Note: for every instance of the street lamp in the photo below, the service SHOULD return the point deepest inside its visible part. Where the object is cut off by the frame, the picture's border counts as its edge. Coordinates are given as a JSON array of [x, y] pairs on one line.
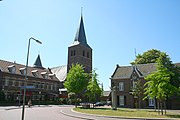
[[25, 82], [39, 97]]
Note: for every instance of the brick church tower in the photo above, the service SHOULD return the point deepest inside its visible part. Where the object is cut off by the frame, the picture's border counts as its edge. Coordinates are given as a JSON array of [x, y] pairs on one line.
[[79, 51]]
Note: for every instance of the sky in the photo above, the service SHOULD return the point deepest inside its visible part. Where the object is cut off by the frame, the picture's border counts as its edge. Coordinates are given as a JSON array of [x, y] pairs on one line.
[[115, 29]]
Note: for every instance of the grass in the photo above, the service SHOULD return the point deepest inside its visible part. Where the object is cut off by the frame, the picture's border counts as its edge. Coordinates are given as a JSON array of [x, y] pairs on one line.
[[125, 112]]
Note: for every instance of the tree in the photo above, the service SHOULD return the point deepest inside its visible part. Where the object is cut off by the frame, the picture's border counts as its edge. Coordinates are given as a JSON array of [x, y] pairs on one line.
[[93, 89], [77, 80], [136, 91], [158, 84], [150, 56]]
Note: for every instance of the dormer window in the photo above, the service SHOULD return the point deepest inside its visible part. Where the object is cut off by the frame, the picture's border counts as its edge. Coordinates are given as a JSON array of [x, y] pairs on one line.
[[44, 74], [12, 69], [51, 76], [23, 70], [35, 73]]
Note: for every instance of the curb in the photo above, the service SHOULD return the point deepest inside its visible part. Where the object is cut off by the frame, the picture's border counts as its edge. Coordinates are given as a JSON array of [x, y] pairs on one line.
[[75, 116], [122, 117]]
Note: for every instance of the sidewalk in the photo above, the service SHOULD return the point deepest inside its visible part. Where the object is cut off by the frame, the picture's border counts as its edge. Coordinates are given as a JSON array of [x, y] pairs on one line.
[[19, 107]]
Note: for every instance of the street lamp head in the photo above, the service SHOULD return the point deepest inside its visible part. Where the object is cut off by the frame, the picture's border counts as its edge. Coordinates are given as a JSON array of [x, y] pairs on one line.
[[36, 40]]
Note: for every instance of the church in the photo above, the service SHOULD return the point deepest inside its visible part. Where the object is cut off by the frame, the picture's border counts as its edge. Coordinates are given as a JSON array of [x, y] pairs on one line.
[[44, 83], [78, 52]]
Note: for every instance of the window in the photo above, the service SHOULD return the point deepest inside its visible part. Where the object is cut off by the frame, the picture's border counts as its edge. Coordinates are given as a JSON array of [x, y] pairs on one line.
[[12, 69], [39, 85], [35, 73], [6, 82], [134, 84], [71, 53], [87, 54], [121, 100], [121, 86], [83, 53], [23, 71], [35, 85], [13, 83], [51, 87], [151, 102], [44, 74], [51, 76], [10, 83], [43, 85], [19, 85], [74, 52]]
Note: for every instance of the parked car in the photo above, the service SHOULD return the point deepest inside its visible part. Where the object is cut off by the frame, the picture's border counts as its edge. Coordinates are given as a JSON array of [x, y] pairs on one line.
[[99, 104], [108, 103]]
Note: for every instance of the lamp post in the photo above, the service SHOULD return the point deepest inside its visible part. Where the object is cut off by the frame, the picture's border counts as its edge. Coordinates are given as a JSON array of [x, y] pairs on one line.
[[39, 97], [25, 81]]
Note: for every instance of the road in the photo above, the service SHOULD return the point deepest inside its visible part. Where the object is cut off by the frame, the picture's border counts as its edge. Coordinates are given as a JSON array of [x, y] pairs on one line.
[[46, 113], [35, 113], [53, 112]]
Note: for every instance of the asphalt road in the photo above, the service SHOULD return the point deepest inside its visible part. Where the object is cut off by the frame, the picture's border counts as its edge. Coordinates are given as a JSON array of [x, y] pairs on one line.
[[54, 112], [35, 113], [46, 113]]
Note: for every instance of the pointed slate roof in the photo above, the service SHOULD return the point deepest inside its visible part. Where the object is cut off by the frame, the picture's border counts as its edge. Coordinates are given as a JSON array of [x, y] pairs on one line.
[[38, 63], [80, 37]]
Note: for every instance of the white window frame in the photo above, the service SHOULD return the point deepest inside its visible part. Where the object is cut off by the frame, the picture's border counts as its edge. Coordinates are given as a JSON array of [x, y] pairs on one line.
[[121, 86]]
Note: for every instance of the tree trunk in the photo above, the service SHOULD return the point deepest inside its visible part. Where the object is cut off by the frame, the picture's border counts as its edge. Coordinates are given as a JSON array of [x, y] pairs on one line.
[[155, 104], [165, 107], [76, 102], [139, 102], [158, 106], [161, 104]]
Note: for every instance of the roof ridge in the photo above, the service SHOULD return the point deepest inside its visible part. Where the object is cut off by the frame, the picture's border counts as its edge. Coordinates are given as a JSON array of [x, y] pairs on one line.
[[58, 66], [12, 62]]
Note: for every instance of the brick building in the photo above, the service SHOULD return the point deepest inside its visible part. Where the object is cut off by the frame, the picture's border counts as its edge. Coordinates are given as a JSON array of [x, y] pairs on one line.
[[41, 83], [125, 79]]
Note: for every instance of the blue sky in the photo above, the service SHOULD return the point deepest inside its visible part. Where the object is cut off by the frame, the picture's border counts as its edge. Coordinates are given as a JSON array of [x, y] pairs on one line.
[[114, 28]]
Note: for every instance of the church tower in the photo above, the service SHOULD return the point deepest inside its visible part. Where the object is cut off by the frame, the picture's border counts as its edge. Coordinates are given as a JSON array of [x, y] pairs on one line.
[[79, 51]]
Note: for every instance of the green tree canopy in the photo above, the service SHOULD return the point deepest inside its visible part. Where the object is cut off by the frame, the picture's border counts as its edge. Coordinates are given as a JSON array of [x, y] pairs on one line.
[[159, 84], [77, 80], [150, 56], [93, 89]]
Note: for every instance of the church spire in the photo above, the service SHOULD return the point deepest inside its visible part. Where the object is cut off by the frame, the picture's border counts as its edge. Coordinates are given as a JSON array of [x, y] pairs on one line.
[[38, 63], [80, 37]]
